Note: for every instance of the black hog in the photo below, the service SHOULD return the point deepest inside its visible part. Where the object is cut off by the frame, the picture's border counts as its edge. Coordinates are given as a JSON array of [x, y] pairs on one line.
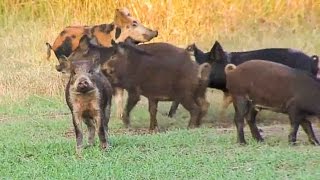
[[218, 58], [160, 72], [88, 95], [259, 84]]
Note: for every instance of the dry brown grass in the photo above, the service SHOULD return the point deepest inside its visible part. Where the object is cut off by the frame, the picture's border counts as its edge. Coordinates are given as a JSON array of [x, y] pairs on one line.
[[25, 25]]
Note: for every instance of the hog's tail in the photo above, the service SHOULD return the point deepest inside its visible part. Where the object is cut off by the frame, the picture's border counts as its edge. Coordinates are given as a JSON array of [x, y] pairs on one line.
[[49, 47], [204, 71], [315, 57], [203, 75], [229, 68]]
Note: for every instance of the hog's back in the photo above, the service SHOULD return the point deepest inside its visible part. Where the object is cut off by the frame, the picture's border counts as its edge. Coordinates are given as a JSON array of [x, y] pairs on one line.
[[265, 83], [168, 70]]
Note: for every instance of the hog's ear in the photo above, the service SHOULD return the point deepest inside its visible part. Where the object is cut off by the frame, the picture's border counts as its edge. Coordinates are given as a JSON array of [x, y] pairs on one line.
[[63, 58], [90, 32], [97, 67], [191, 47], [216, 53], [84, 43], [120, 18], [65, 65], [96, 58], [113, 43]]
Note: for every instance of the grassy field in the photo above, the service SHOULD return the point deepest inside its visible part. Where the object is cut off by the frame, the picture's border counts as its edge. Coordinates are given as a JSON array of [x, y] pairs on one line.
[[37, 139], [37, 142]]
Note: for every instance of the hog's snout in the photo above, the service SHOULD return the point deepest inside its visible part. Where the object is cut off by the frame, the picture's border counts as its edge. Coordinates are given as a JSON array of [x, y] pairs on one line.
[[155, 33], [84, 85], [150, 34]]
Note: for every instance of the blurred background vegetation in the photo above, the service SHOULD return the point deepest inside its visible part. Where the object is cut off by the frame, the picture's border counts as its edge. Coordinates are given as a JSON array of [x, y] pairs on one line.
[[25, 26]]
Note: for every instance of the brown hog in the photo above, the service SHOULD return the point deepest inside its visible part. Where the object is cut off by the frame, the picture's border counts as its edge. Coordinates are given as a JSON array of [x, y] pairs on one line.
[[88, 95], [160, 72], [258, 84]]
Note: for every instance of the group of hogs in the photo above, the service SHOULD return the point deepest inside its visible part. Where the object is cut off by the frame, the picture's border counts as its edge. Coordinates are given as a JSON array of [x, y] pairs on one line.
[[105, 59]]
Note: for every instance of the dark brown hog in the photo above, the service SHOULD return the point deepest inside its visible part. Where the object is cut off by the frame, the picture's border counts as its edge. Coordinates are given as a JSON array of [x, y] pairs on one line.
[[82, 52], [160, 72], [259, 84], [88, 95]]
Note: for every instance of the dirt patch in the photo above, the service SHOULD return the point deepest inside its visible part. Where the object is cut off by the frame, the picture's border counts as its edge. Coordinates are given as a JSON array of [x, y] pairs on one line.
[[276, 131]]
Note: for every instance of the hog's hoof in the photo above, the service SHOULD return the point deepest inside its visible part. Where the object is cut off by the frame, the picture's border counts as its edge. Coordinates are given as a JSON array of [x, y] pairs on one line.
[[242, 143], [170, 115], [79, 152], [127, 126], [193, 126], [88, 146], [315, 143], [119, 116], [259, 140], [104, 146], [154, 130], [293, 143]]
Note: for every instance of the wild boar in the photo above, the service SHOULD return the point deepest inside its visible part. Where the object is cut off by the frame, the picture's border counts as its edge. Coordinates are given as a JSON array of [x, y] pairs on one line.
[[88, 95], [259, 84], [122, 28], [219, 58], [160, 72]]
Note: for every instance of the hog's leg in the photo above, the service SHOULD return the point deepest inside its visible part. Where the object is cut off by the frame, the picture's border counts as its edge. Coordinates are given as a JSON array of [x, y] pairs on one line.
[[241, 109], [91, 131], [119, 102], [108, 112], [153, 104], [251, 120], [204, 105], [100, 119], [173, 109], [307, 127], [133, 98], [76, 119], [295, 119], [227, 100], [190, 104]]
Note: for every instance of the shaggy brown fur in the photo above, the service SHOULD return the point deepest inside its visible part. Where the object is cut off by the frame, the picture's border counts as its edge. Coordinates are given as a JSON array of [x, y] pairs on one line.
[[88, 95]]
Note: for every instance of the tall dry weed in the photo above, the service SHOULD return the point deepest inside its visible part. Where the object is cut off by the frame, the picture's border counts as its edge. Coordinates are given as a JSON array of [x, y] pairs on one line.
[[25, 26]]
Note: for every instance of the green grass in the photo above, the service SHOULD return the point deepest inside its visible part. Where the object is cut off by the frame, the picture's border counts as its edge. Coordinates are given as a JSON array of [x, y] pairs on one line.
[[36, 133], [38, 143]]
